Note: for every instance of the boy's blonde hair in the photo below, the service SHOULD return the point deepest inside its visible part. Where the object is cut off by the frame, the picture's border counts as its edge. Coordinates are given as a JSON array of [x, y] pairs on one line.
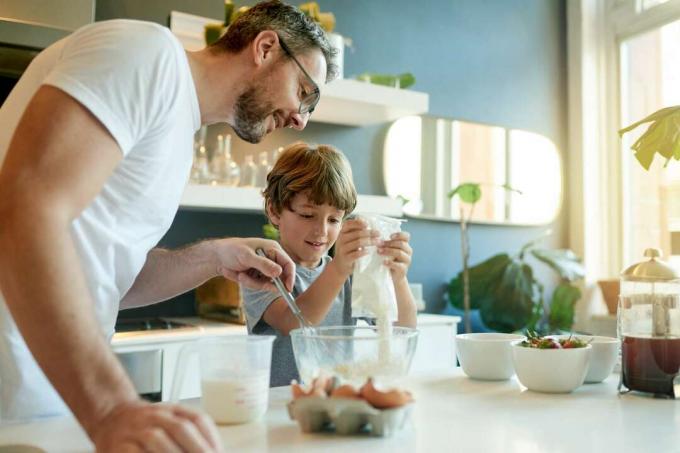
[[321, 171]]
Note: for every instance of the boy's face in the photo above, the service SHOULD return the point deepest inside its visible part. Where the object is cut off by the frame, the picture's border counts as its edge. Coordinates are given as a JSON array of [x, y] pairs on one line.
[[307, 230]]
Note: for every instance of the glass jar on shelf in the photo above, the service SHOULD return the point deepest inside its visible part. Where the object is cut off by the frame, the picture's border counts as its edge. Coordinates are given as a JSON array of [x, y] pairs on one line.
[[218, 162], [232, 172], [199, 168], [248, 172], [200, 171], [263, 169]]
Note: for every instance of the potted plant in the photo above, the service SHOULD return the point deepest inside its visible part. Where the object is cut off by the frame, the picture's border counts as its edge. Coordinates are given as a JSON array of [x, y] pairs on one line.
[[504, 287]]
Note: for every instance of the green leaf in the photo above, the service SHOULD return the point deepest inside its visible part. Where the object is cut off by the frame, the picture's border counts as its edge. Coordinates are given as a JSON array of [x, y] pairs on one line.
[[653, 117], [483, 277], [564, 262], [662, 136], [510, 304], [406, 80], [269, 231], [469, 192], [562, 306]]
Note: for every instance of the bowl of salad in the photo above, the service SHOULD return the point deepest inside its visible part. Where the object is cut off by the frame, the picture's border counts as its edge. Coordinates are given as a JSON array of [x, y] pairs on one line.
[[551, 365], [603, 358]]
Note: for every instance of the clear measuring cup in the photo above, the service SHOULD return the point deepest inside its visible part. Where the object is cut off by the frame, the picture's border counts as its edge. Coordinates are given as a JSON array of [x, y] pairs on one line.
[[234, 376]]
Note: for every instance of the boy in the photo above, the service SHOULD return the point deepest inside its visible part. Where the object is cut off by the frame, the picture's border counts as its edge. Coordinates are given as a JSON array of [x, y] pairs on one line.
[[308, 196]]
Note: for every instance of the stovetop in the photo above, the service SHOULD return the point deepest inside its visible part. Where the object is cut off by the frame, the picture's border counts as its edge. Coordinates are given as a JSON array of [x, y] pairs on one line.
[[149, 324]]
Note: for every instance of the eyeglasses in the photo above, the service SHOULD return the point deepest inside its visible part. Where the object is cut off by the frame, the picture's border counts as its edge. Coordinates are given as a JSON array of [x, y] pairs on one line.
[[309, 100]]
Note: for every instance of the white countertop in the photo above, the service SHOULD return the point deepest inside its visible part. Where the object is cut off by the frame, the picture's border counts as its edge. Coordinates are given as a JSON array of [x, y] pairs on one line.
[[452, 413], [208, 327], [202, 327]]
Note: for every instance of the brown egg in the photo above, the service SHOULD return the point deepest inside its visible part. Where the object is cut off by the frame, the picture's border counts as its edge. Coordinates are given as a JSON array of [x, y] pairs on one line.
[[322, 385], [346, 391], [384, 400], [318, 388], [297, 390]]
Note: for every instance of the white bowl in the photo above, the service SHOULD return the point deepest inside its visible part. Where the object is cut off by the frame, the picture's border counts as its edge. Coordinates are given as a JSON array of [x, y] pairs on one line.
[[486, 356], [602, 359], [550, 370]]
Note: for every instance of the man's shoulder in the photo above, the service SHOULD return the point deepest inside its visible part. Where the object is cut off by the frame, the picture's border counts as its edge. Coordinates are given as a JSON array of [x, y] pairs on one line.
[[141, 27], [127, 36]]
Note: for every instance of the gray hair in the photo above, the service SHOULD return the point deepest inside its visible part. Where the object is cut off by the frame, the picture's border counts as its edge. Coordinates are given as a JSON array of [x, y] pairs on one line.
[[298, 30]]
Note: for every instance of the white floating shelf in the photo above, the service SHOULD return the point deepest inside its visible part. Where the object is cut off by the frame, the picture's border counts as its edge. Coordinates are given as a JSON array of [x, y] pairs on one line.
[[355, 103], [247, 199]]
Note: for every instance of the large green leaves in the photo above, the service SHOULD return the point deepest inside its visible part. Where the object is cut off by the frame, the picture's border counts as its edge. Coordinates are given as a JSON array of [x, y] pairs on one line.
[[564, 262], [502, 288], [482, 277], [662, 136], [509, 305], [562, 306], [509, 297]]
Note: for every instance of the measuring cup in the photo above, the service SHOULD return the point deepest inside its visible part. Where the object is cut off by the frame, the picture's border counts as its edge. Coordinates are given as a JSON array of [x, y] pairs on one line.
[[234, 376]]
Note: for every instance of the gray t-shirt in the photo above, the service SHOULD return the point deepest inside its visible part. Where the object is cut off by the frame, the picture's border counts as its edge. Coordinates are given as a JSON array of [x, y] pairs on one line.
[[256, 302]]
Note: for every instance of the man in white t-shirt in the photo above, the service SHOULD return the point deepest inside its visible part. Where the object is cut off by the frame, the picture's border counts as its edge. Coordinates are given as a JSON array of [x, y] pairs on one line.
[[96, 148]]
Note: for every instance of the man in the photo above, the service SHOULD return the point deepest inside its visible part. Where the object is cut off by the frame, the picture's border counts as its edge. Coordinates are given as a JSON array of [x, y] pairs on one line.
[[96, 147]]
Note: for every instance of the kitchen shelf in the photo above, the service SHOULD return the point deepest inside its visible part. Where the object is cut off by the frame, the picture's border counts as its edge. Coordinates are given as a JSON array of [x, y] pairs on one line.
[[203, 197], [355, 103]]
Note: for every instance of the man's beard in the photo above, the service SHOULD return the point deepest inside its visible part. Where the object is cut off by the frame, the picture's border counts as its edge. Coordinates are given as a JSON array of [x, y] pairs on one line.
[[250, 114]]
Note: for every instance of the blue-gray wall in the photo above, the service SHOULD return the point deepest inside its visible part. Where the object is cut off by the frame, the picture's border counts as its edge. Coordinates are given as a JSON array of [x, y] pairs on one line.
[[497, 61]]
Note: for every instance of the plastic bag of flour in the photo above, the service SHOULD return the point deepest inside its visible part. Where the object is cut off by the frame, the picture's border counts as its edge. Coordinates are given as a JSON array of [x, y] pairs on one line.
[[372, 288]]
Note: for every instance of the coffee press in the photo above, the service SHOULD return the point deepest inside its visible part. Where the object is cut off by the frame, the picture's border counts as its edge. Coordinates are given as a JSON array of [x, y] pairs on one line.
[[648, 323]]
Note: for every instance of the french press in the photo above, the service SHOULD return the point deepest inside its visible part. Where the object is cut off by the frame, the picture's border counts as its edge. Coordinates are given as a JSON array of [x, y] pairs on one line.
[[648, 323]]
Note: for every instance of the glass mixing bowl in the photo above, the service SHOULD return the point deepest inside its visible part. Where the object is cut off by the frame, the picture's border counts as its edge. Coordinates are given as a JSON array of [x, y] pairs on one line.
[[354, 353]]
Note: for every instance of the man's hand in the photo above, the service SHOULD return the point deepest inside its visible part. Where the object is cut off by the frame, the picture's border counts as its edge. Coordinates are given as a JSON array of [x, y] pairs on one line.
[[237, 260], [143, 427], [351, 245]]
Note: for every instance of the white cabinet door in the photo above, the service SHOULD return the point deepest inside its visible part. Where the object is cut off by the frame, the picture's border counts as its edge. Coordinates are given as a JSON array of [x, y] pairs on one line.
[[436, 348]]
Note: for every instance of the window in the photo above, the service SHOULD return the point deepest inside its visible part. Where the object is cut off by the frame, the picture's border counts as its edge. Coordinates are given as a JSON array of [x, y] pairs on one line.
[[649, 79]]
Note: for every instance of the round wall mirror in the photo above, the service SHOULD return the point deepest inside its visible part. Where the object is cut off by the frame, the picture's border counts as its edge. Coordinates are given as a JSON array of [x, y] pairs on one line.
[[425, 157]]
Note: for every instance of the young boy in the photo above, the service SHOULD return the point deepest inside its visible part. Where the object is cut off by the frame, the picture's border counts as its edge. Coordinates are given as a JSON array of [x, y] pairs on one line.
[[308, 196]]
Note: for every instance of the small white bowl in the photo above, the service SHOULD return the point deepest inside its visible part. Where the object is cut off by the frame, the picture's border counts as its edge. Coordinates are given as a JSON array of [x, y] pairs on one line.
[[602, 359], [486, 356], [550, 370]]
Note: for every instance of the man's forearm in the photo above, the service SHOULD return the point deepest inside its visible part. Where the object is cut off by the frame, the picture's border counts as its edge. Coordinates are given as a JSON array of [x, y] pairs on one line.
[[45, 290], [168, 273]]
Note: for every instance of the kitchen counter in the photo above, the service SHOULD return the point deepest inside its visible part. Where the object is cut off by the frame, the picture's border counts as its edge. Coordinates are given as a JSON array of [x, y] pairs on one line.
[[452, 413], [198, 327]]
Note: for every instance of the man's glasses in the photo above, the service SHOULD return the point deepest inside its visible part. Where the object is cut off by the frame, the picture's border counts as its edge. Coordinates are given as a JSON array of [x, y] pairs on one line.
[[309, 100]]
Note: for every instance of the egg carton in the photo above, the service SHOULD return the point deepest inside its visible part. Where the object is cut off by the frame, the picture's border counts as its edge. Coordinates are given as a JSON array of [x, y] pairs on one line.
[[347, 416]]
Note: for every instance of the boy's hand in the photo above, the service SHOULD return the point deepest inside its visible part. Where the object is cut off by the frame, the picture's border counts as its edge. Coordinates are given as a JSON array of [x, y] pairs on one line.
[[397, 253], [351, 244]]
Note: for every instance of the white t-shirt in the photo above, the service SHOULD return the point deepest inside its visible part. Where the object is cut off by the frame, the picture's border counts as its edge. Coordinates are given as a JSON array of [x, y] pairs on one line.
[[135, 78]]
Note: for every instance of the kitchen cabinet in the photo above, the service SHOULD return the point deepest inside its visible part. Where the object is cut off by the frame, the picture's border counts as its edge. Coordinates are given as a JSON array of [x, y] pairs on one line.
[[436, 349], [203, 197], [169, 343]]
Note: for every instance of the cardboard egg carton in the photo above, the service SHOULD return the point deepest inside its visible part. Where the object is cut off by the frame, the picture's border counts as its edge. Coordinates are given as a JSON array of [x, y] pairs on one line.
[[347, 416]]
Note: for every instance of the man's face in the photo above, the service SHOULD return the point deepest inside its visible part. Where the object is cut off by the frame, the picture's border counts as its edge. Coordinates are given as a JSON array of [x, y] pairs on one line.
[[272, 100]]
